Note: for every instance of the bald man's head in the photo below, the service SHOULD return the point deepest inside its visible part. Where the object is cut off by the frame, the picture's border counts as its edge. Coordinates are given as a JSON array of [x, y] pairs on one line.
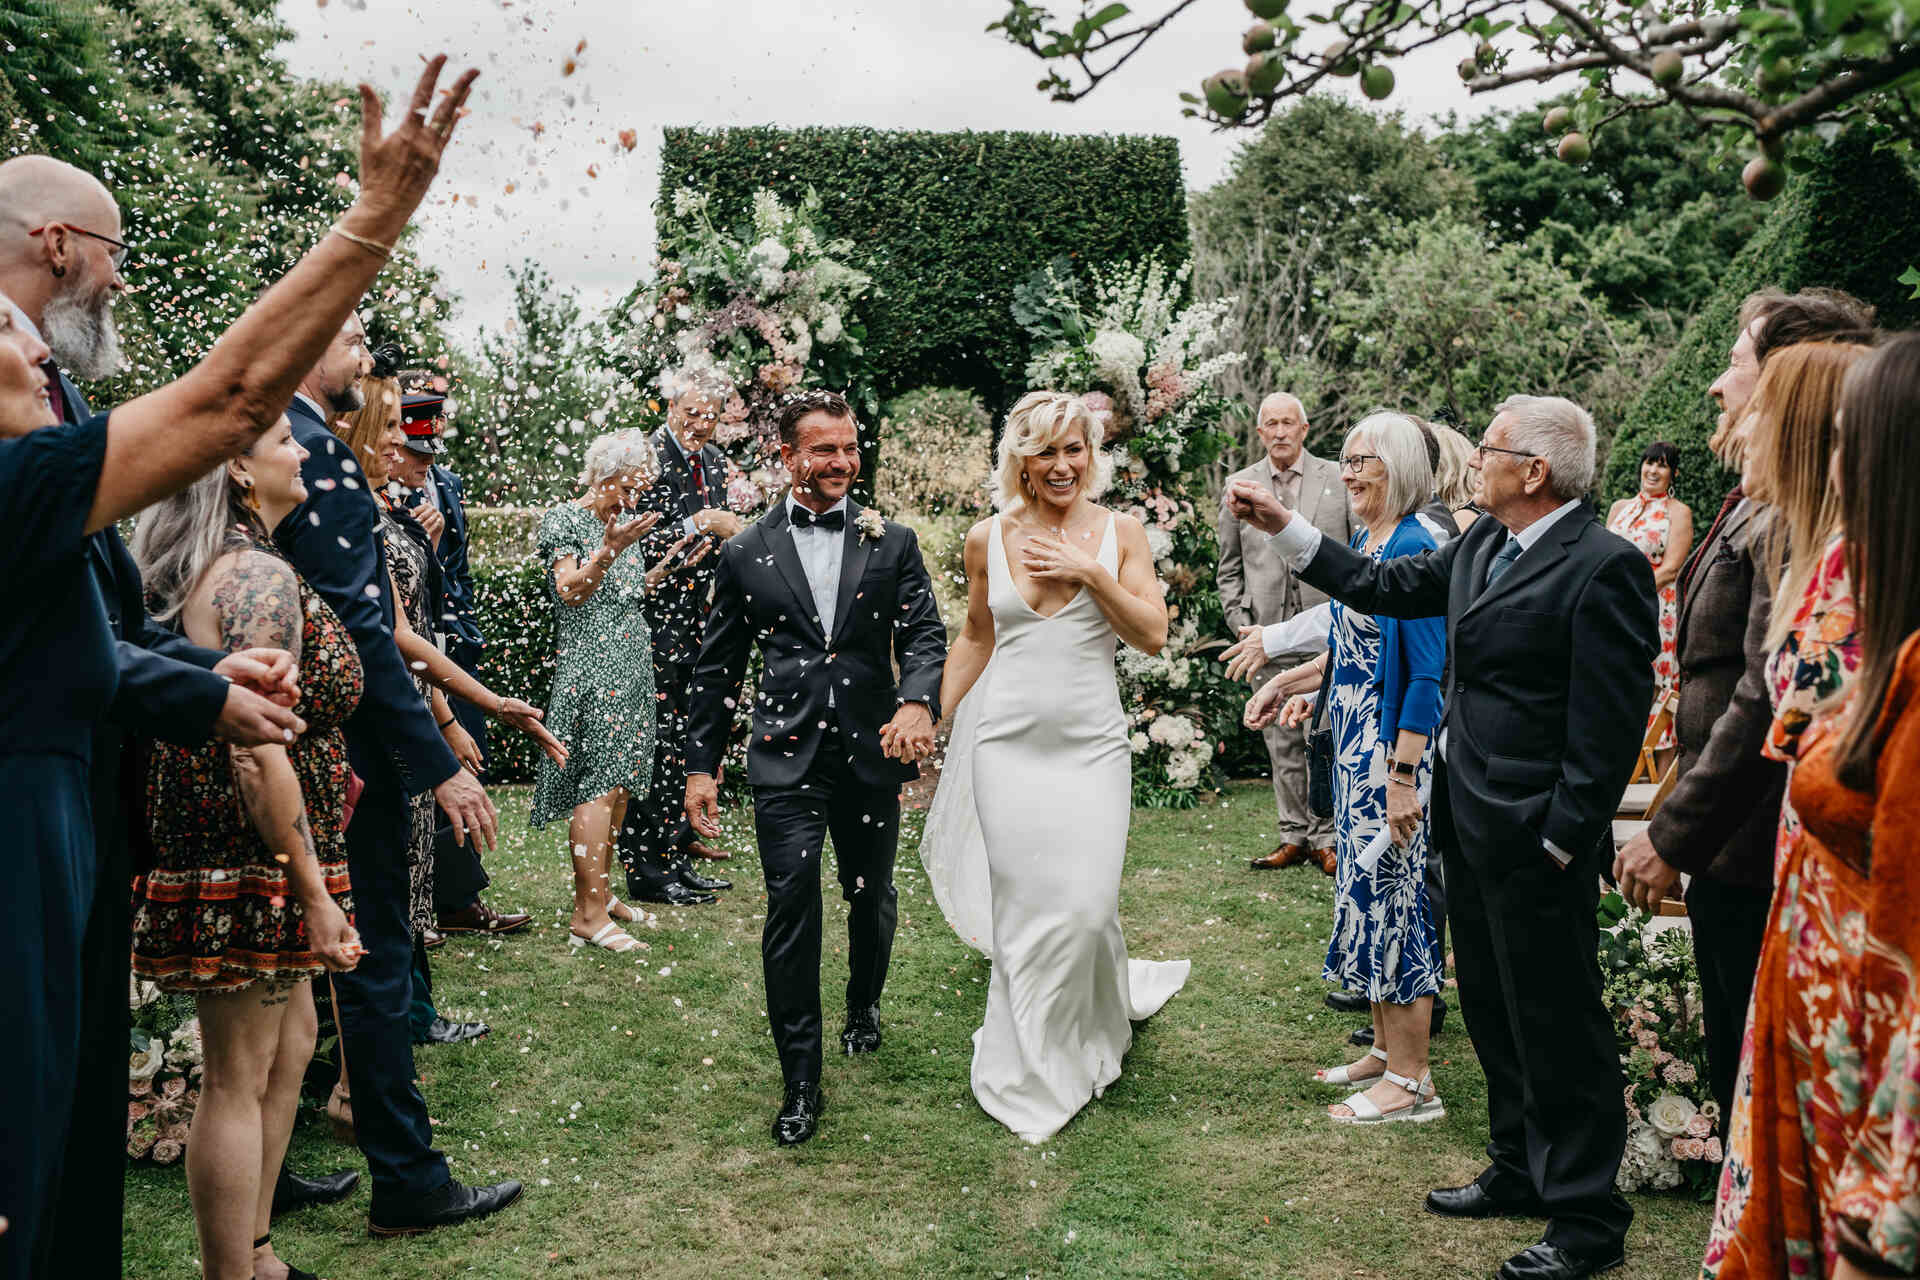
[[1283, 429], [56, 261]]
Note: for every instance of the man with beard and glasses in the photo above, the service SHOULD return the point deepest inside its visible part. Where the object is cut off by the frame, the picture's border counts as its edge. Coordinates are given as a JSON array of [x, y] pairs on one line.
[[61, 251]]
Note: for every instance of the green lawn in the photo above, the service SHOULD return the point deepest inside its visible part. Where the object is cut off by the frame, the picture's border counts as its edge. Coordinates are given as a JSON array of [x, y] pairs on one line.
[[633, 1096]]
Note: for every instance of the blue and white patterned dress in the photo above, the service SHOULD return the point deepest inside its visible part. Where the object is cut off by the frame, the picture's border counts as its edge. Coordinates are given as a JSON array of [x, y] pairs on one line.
[[1384, 944]]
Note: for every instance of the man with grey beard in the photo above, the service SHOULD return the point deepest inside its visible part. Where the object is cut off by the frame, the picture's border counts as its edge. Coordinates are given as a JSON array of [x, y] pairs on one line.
[[60, 257]]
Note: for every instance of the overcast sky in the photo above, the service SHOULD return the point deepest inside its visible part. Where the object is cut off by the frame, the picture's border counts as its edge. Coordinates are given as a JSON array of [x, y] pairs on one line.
[[891, 64]]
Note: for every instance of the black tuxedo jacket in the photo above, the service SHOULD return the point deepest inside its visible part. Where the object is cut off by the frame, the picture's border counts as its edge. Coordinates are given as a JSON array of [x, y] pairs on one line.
[[333, 540], [167, 686], [1552, 675], [677, 613], [458, 621], [885, 612]]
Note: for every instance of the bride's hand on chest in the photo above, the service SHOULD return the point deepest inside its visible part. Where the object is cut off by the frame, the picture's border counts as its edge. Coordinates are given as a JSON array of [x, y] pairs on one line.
[[1048, 557]]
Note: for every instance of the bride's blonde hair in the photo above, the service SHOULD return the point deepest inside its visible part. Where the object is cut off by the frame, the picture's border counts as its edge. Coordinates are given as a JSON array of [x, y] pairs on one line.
[[1043, 419]]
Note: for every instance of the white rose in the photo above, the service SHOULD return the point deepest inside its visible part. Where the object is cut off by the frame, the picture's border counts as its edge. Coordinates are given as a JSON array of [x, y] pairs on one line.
[[1669, 1114], [1138, 742], [1117, 351], [144, 1066]]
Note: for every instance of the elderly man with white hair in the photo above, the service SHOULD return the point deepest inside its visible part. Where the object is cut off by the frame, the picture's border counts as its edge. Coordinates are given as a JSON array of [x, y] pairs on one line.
[[1258, 589], [1552, 624]]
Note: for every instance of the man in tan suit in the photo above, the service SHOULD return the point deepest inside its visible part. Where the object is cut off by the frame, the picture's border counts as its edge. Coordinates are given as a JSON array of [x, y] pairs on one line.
[[1257, 588]]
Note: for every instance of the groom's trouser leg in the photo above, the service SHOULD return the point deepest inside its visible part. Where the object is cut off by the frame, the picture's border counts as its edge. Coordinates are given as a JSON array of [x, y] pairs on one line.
[[866, 834], [791, 824]]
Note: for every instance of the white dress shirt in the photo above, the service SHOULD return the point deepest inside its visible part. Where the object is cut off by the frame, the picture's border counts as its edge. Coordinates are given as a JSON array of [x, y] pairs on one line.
[[821, 551], [1298, 540]]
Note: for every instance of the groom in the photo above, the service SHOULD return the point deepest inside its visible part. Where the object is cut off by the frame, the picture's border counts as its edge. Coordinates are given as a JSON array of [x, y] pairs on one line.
[[834, 597]]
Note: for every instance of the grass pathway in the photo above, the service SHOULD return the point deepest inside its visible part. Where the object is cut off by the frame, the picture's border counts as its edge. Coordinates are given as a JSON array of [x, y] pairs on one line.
[[633, 1095]]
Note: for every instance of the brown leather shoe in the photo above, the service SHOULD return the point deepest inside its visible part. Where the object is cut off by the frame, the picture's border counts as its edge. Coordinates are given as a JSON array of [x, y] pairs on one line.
[[701, 849], [478, 917], [1285, 856], [1327, 859]]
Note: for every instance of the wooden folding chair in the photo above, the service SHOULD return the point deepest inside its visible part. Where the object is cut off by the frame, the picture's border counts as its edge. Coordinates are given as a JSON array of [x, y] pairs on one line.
[[1647, 790]]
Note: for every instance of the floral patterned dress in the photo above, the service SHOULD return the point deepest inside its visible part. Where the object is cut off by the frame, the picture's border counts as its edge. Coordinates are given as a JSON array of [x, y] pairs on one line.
[[216, 912], [1384, 944], [603, 700], [416, 574], [1801, 1097], [1645, 521]]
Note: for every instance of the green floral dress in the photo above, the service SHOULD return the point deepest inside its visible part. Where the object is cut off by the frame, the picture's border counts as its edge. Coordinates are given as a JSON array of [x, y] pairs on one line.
[[603, 699]]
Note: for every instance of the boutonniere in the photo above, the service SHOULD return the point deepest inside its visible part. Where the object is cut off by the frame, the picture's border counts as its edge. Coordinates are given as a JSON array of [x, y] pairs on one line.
[[871, 524]]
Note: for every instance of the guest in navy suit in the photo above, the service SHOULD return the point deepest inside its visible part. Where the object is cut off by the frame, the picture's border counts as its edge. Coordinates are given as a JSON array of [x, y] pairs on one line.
[[62, 482]]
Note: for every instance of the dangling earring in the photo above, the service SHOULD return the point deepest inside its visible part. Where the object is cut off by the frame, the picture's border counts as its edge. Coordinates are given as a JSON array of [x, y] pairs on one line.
[[247, 494]]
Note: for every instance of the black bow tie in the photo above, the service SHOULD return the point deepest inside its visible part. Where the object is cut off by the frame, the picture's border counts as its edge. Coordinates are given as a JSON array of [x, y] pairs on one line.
[[805, 519]]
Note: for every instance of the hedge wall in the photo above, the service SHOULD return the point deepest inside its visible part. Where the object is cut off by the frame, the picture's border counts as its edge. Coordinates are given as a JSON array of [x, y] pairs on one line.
[[948, 224], [1851, 222], [516, 616]]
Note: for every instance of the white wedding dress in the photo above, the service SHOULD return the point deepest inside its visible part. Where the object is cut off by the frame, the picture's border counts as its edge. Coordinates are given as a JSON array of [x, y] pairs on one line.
[[1024, 847]]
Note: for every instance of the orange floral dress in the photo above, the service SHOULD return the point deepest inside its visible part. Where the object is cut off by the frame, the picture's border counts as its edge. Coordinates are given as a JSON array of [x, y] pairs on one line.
[[1807, 1085], [1645, 521], [216, 912]]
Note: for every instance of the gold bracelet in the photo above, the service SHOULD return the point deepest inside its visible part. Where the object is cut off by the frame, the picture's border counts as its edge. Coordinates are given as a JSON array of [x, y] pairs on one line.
[[381, 251]]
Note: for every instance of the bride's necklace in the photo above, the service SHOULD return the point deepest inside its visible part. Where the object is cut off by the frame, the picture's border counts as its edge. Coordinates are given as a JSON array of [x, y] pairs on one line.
[[1060, 531]]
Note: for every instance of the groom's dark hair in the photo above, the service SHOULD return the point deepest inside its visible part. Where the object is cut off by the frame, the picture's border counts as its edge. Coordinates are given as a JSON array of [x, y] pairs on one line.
[[796, 407]]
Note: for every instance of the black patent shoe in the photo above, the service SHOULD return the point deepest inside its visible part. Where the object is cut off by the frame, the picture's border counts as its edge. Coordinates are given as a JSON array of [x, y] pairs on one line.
[[1473, 1201], [702, 884], [440, 1031], [862, 1034], [1545, 1261], [1347, 1002], [799, 1113], [291, 1191], [443, 1207], [675, 894]]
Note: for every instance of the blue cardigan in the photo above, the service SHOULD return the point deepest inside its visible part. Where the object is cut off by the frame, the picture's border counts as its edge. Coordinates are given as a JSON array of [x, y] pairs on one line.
[[1413, 651]]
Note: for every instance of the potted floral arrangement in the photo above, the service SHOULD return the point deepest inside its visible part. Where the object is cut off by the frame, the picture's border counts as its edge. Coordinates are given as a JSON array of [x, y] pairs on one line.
[[1675, 1132], [1148, 363], [772, 306], [163, 1073]]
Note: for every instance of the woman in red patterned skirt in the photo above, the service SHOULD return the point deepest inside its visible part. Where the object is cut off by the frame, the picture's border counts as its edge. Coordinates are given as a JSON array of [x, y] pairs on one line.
[[246, 902]]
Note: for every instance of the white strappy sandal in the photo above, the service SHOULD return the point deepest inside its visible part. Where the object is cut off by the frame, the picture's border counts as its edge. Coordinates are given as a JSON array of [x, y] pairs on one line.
[[611, 937], [639, 917], [1426, 1104], [1340, 1074]]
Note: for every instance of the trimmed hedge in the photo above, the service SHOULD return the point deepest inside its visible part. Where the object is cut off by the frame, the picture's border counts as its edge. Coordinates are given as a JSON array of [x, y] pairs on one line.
[[1851, 222], [948, 224], [516, 616]]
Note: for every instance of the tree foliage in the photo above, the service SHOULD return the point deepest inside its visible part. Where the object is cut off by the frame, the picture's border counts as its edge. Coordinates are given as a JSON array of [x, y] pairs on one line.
[[1756, 73], [1851, 223]]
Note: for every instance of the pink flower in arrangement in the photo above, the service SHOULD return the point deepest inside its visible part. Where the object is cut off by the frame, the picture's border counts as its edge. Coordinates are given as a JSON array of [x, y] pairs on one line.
[[1678, 1072], [1713, 1151], [1699, 1126], [742, 495], [1687, 1149], [1100, 405], [167, 1150], [1167, 387]]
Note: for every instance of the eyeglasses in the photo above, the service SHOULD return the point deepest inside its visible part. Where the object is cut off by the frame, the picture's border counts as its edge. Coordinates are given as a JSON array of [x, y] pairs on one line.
[[1480, 451], [1355, 463], [116, 255]]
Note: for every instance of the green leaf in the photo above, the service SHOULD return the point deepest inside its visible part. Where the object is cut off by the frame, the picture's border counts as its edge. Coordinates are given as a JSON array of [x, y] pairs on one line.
[[1911, 276], [1112, 13]]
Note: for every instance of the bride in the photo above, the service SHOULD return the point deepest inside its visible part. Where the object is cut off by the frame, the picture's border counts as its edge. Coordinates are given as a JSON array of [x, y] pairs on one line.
[[1029, 827]]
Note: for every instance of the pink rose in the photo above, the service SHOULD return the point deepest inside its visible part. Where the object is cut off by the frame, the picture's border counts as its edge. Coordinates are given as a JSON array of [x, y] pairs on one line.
[[1699, 1126], [1714, 1151], [166, 1151]]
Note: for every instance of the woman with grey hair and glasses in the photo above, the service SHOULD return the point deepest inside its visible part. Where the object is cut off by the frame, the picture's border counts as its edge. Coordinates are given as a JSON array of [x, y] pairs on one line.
[[602, 706], [1384, 704]]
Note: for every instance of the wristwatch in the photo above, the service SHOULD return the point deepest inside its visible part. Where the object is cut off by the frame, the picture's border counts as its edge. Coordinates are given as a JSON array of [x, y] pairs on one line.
[[1401, 771]]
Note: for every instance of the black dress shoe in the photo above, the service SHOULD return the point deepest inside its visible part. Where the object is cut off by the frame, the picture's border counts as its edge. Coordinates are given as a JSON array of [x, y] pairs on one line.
[[443, 1207], [862, 1034], [291, 1191], [1347, 1002], [799, 1113], [1363, 1037], [702, 884], [674, 894], [1472, 1201], [1544, 1261], [440, 1031]]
